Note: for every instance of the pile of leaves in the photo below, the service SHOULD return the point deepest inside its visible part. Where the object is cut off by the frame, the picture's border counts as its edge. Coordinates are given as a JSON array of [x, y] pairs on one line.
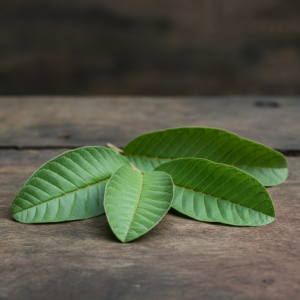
[[208, 174]]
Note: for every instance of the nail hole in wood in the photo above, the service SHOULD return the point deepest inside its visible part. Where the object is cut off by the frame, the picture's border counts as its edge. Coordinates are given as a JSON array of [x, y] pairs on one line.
[[63, 137], [268, 281]]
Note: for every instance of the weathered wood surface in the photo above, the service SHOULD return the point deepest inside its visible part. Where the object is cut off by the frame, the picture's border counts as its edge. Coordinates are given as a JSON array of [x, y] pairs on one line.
[[52, 121], [180, 258]]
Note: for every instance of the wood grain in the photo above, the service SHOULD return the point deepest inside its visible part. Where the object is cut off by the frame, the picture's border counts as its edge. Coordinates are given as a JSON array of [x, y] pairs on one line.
[[179, 259], [67, 122]]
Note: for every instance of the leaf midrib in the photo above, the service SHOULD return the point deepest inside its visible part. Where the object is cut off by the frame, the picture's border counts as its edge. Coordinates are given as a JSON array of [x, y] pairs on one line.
[[137, 204], [61, 195], [221, 199], [125, 154]]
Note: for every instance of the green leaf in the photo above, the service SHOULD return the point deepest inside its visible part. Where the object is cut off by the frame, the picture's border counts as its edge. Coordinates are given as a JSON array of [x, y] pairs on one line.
[[153, 149], [134, 202], [68, 187], [212, 192]]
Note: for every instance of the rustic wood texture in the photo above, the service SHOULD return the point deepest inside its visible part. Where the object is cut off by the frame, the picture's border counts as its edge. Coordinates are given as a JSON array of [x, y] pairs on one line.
[[54, 121], [180, 258]]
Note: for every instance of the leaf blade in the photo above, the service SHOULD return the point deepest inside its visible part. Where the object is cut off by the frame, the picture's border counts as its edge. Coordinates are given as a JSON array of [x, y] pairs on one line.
[[214, 192], [69, 187], [152, 149], [134, 203]]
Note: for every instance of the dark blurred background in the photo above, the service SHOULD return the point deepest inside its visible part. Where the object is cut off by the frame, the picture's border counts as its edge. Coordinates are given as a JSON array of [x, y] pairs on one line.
[[157, 47]]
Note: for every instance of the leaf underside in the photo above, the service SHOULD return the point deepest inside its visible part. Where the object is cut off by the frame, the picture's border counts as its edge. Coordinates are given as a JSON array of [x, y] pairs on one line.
[[150, 150], [68, 187], [134, 202], [212, 192]]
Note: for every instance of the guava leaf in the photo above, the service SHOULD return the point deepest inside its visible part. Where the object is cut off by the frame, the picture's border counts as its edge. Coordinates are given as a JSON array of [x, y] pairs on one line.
[[213, 192], [153, 149], [134, 202], [69, 187]]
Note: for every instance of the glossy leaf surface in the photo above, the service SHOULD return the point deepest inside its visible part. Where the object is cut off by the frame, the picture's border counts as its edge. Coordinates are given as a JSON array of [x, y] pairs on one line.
[[212, 192], [134, 202], [153, 149], [68, 187]]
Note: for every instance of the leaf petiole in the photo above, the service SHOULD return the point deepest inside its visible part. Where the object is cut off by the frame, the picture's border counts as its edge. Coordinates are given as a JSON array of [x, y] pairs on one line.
[[113, 147]]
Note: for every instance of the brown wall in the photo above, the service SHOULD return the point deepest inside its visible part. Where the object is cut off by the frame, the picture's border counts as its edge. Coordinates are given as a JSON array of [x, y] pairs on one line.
[[157, 47]]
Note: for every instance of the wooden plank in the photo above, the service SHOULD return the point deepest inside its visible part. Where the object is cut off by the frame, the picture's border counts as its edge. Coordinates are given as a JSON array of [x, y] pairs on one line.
[[67, 122], [179, 259]]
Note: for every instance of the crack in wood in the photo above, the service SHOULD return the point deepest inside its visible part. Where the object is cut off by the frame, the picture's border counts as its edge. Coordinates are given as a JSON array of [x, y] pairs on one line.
[[285, 152]]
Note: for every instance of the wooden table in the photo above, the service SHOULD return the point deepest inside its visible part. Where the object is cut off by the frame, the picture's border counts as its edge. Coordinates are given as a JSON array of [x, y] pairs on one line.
[[180, 258]]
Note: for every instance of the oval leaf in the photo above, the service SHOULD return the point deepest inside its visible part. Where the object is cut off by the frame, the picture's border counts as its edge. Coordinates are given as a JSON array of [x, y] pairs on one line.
[[212, 192], [134, 202], [153, 149], [68, 187]]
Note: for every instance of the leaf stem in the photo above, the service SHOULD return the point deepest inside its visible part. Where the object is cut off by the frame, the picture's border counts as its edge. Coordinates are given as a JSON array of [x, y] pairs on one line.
[[118, 150], [134, 168], [113, 147]]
